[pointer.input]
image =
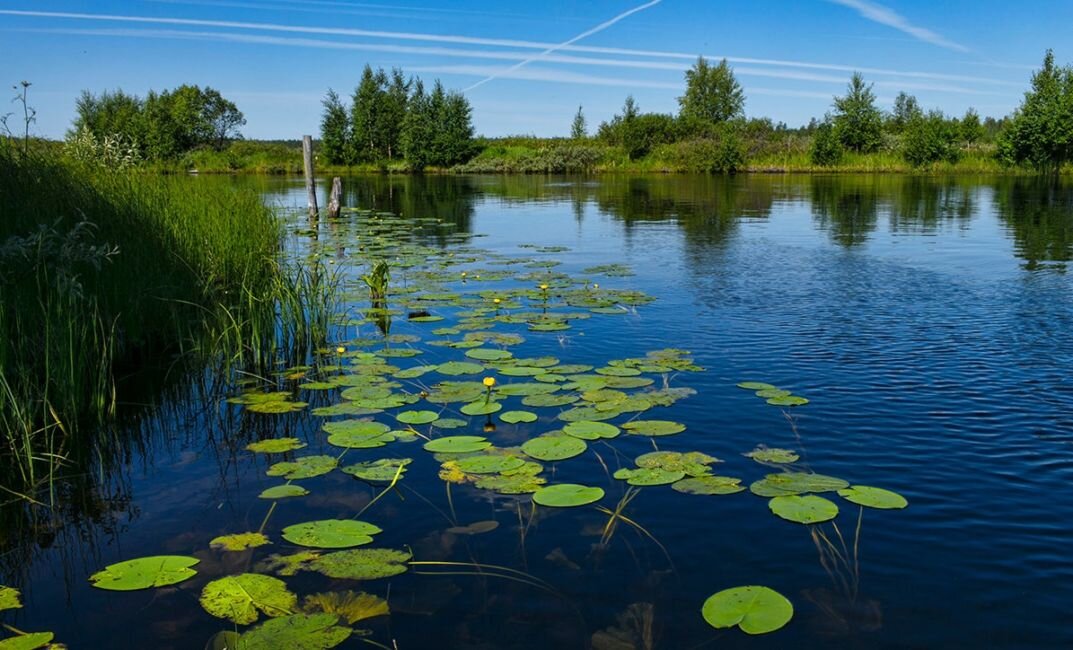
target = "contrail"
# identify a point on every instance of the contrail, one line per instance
(599, 28)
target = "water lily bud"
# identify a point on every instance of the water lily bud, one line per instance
(340, 349)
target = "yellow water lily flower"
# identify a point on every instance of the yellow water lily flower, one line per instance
(489, 381)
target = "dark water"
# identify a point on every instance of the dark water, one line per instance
(927, 320)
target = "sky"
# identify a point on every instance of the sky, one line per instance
(527, 66)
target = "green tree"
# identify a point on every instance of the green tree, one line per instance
(579, 128)
(454, 128)
(972, 131)
(335, 130)
(712, 96)
(630, 109)
(418, 128)
(857, 120)
(931, 138)
(365, 115)
(826, 149)
(392, 113)
(110, 114)
(905, 110)
(1040, 133)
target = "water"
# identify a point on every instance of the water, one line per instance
(927, 320)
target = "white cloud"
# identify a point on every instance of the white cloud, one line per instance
(877, 13)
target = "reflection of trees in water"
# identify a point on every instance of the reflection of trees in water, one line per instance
(449, 198)
(1038, 214)
(845, 206)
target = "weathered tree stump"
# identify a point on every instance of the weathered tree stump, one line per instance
(335, 201)
(311, 185)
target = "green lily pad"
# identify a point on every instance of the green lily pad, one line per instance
(552, 448)
(788, 400)
(653, 427)
(709, 485)
(455, 368)
(383, 470)
(646, 476)
(362, 564)
(590, 413)
(275, 446)
(488, 354)
(808, 509)
(567, 495)
(449, 423)
(304, 467)
(515, 417)
(30, 641)
(457, 444)
(489, 464)
(754, 609)
(544, 401)
(287, 565)
(589, 430)
(415, 372)
(774, 485)
(756, 385)
(873, 497)
(769, 393)
(417, 417)
(295, 632)
(481, 408)
(283, 492)
(240, 598)
(773, 455)
(239, 541)
(618, 371)
(331, 533)
(145, 573)
(9, 598)
(525, 389)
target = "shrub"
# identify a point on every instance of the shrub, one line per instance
(826, 149)
(931, 138)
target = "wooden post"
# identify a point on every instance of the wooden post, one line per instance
(335, 202)
(311, 185)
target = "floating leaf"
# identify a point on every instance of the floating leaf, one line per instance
(457, 444)
(287, 565)
(589, 430)
(361, 564)
(481, 408)
(478, 528)
(773, 455)
(351, 607)
(275, 446)
(515, 417)
(295, 632)
(788, 400)
(488, 354)
(460, 368)
(383, 470)
(283, 492)
(808, 509)
(488, 464)
(9, 598)
(239, 541)
(774, 485)
(587, 413)
(239, 598)
(145, 573)
(756, 385)
(417, 417)
(331, 533)
(709, 485)
(304, 467)
(646, 476)
(541, 401)
(653, 427)
(873, 497)
(30, 641)
(449, 423)
(551, 448)
(756, 610)
(567, 495)
(692, 463)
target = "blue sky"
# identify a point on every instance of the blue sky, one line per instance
(526, 66)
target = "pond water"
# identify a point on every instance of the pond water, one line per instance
(927, 321)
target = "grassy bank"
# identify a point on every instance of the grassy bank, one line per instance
(101, 270)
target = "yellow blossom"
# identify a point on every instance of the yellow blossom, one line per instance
(489, 381)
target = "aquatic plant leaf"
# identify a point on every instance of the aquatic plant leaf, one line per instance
(516, 417)
(240, 598)
(283, 492)
(772, 392)
(287, 565)
(275, 446)
(362, 564)
(709, 485)
(383, 470)
(30, 641)
(9, 598)
(773, 455)
(457, 444)
(791, 483)
(356, 428)
(239, 541)
(618, 371)
(567, 495)
(788, 400)
(554, 447)
(756, 385)
(460, 368)
(304, 467)
(693, 463)
(587, 413)
(653, 427)
(873, 497)
(296, 632)
(276, 408)
(807, 509)
(449, 423)
(647, 476)
(754, 609)
(349, 606)
(477, 528)
(145, 573)
(488, 354)
(544, 401)
(481, 408)
(510, 483)
(525, 389)
(415, 372)
(488, 464)
(589, 430)
(331, 533)
(417, 417)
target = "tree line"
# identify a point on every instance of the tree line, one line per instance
(392, 118)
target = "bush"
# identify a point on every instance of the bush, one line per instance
(723, 154)
(560, 158)
(930, 139)
(826, 149)
(640, 134)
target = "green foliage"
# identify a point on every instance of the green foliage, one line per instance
(1040, 133)
(145, 573)
(754, 609)
(579, 128)
(906, 109)
(826, 147)
(931, 138)
(971, 130)
(712, 96)
(857, 121)
(638, 133)
(721, 153)
(335, 141)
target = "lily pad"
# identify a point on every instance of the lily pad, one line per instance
(239, 541)
(653, 427)
(331, 533)
(145, 573)
(515, 417)
(275, 446)
(417, 417)
(457, 444)
(709, 485)
(383, 470)
(790, 483)
(489, 464)
(481, 408)
(552, 448)
(567, 495)
(478, 528)
(754, 609)
(455, 368)
(304, 467)
(788, 400)
(240, 598)
(30, 641)
(542, 401)
(756, 385)
(283, 492)
(646, 476)
(873, 497)
(9, 598)
(589, 430)
(295, 632)
(807, 509)
(773, 455)
(362, 564)
(488, 354)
